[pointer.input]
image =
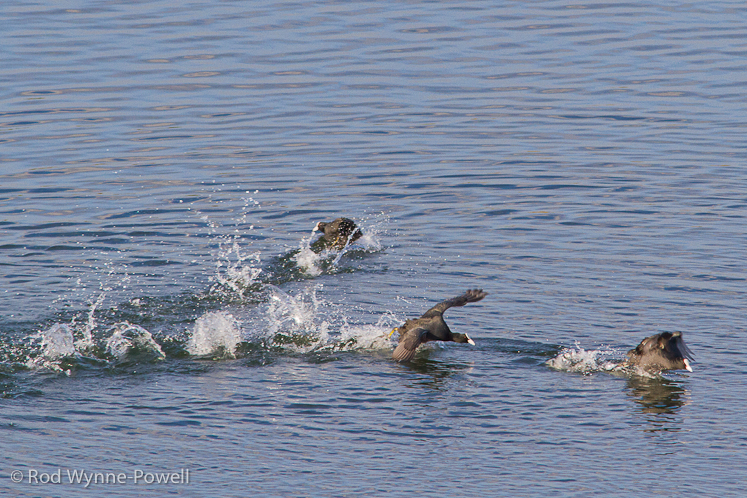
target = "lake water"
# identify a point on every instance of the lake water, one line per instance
(163, 164)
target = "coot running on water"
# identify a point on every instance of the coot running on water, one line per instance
(432, 327)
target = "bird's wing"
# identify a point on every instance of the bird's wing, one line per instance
(408, 343)
(647, 344)
(470, 296)
(681, 347)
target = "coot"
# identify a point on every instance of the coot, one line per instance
(340, 232)
(432, 327)
(665, 351)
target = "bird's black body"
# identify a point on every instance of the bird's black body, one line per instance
(432, 327)
(665, 351)
(339, 233)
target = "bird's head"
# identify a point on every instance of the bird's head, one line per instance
(463, 338)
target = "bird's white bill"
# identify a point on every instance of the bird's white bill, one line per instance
(687, 365)
(316, 228)
(470, 341)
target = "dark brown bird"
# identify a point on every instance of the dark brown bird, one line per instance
(340, 232)
(432, 327)
(665, 351)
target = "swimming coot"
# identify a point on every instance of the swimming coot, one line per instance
(665, 351)
(340, 232)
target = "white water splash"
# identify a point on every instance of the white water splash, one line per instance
(373, 227)
(308, 260)
(369, 241)
(579, 360)
(377, 336)
(85, 342)
(235, 271)
(294, 319)
(339, 255)
(125, 338)
(57, 342)
(215, 332)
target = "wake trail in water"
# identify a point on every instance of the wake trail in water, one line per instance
(292, 324)
(298, 323)
(580, 360)
(278, 321)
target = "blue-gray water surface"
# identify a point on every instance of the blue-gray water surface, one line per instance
(163, 164)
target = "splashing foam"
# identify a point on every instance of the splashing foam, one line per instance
(369, 241)
(370, 238)
(85, 342)
(215, 332)
(296, 320)
(57, 342)
(375, 336)
(235, 272)
(126, 339)
(293, 320)
(579, 360)
(308, 260)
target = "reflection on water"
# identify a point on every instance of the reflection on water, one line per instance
(657, 395)
(436, 374)
(659, 399)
